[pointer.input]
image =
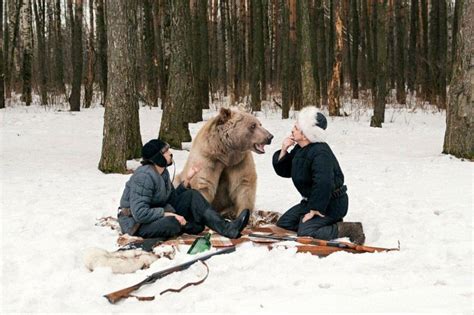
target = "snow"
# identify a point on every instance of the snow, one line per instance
(400, 186)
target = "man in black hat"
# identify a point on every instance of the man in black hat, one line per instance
(151, 207)
(318, 177)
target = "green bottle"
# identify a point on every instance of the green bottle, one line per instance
(201, 244)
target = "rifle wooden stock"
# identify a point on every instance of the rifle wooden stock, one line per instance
(338, 246)
(116, 296)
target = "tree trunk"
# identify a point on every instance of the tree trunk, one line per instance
(122, 138)
(380, 49)
(455, 35)
(15, 8)
(257, 55)
(2, 67)
(76, 53)
(400, 51)
(442, 53)
(174, 129)
(58, 75)
(346, 46)
(285, 59)
(276, 60)
(223, 47)
(194, 110)
(334, 85)
(332, 39)
(363, 66)
(266, 55)
(459, 136)
(234, 53)
(26, 35)
(204, 60)
(4, 55)
(434, 37)
(151, 82)
(412, 51)
(214, 67)
(310, 57)
(323, 64)
(40, 22)
(89, 84)
(391, 76)
(296, 95)
(370, 44)
(355, 49)
(426, 89)
(102, 47)
(158, 7)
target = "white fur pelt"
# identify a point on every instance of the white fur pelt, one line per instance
(126, 261)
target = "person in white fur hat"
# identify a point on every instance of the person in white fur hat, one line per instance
(317, 176)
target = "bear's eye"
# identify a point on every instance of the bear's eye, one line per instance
(253, 126)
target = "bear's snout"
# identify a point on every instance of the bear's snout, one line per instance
(269, 138)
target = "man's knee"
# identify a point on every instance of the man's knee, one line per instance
(286, 224)
(171, 226)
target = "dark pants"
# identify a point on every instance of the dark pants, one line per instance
(189, 204)
(323, 228)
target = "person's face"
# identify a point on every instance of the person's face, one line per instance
(168, 155)
(297, 133)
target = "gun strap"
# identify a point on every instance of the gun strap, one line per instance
(151, 298)
(189, 283)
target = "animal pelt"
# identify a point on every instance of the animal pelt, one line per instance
(125, 261)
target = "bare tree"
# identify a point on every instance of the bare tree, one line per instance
(174, 129)
(151, 71)
(412, 51)
(334, 85)
(40, 22)
(459, 136)
(26, 34)
(75, 15)
(380, 53)
(90, 73)
(122, 138)
(101, 30)
(400, 51)
(158, 14)
(58, 50)
(257, 55)
(2, 67)
(355, 49)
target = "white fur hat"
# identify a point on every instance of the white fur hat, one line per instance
(312, 123)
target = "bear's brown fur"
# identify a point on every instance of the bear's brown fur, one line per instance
(222, 148)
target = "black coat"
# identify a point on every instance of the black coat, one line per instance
(315, 172)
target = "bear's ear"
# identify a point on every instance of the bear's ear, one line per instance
(224, 115)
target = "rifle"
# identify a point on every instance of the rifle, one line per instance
(116, 296)
(349, 247)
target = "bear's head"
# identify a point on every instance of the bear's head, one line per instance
(242, 131)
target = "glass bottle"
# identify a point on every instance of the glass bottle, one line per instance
(200, 244)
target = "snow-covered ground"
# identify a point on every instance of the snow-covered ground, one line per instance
(400, 186)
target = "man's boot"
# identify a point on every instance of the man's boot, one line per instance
(352, 230)
(225, 228)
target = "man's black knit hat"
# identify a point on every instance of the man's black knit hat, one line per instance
(153, 151)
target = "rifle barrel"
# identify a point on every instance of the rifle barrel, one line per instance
(116, 296)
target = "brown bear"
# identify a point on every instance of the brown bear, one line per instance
(222, 148)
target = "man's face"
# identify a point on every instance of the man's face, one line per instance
(297, 133)
(168, 155)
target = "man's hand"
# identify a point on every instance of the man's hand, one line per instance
(193, 170)
(180, 219)
(287, 142)
(311, 214)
